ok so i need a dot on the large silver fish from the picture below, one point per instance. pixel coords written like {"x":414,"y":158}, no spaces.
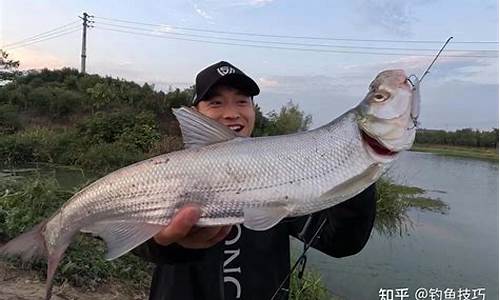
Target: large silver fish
{"x":254,"y":181}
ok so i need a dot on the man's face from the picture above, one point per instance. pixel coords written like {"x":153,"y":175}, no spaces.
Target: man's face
{"x":230,"y":107}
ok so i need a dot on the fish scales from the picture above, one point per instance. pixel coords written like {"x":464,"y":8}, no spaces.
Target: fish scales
{"x":223,"y":188}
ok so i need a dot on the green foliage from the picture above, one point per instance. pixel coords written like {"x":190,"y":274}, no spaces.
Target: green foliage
{"x":290,"y":119}
{"x":105,"y":128}
{"x":23,"y":204}
{"x":63,"y":93}
{"x":310,"y":287}
{"x":393,"y":202}
{"x":462,"y":137}
{"x":8,"y":67}
{"x":9,"y":119}
{"x":261,"y":123}
{"x":490,"y":154}
{"x":138,"y":130}
{"x":106,"y":157}
{"x":38,"y":144}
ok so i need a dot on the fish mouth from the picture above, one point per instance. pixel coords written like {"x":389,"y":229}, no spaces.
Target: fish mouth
{"x":376,"y":146}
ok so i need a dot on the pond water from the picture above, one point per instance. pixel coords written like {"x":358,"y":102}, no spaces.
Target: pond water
{"x":456,"y":250}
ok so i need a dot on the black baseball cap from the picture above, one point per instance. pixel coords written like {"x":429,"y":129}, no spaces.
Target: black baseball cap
{"x":223,"y":73}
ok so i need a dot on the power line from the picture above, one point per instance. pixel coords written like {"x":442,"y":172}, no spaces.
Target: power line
{"x":43,"y":39}
{"x":291,"y":43}
{"x":41,"y":35}
{"x":285,"y":48}
{"x":292,"y":36}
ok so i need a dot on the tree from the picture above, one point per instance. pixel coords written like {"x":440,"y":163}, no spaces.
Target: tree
{"x":289,"y":120}
{"x":261,"y":122}
{"x":8,"y":67}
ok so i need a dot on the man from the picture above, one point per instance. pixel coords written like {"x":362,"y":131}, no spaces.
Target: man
{"x":235,"y":262}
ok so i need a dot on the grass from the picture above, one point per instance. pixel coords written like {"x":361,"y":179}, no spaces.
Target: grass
{"x":394,"y":201}
{"x":310,"y":287}
{"x":24,"y":203}
{"x":490,"y":154}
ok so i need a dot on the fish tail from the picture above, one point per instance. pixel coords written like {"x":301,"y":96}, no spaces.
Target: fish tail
{"x":30,"y":245}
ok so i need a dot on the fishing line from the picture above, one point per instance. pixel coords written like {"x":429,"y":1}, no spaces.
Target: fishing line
{"x":302,"y":260}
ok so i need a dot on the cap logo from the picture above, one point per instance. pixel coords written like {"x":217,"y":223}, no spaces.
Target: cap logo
{"x":224,"y":70}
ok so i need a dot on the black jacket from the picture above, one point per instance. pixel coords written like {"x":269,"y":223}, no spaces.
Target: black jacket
{"x":251,"y":264}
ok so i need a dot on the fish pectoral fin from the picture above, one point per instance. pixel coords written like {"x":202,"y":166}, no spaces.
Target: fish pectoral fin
{"x":353,"y":186}
{"x":122,"y":236}
{"x":263,"y":218}
{"x":199,"y":130}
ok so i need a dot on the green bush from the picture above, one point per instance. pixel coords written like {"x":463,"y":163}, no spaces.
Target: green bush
{"x":137,"y":130}
{"x":20,"y":147}
{"x":9,"y":119}
{"x":106,"y":157}
{"x":104,"y":128}
{"x":41,"y":145}
{"x":23,"y":204}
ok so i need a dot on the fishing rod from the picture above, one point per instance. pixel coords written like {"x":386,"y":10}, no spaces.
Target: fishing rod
{"x":415,"y":83}
{"x":302,"y":260}
{"x":427,"y":71}
{"x":434,"y":60}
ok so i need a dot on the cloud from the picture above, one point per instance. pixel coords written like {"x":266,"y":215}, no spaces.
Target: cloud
{"x":202,"y":12}
{"x":473,"y":69}
{"x":267,"y":83}
{"x":36,"y":59}
{"x":254,"y":3}
{"x":393,"y":16}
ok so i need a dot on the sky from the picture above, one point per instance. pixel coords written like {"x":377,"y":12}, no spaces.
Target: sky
{"x":460,"y":91}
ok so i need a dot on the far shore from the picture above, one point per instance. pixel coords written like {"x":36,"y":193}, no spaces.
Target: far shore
{"x":490,"y":154}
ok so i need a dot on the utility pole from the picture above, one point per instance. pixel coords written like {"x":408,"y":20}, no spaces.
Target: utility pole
{"x":85,"y":24}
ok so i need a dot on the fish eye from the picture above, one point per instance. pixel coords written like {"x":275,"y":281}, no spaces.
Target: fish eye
{"x":380,"y":96}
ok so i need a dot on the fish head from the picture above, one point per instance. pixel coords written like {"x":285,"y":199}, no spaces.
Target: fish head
{"x":388,"y":114}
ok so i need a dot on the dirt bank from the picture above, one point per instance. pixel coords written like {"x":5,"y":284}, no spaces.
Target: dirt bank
{"x":18,"y":284}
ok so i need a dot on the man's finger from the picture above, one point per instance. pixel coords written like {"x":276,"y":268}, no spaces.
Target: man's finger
{"x":203,"y":235}
{"x":205,"y":238}
{"x":179,"y":227}
{"x":221,"y":235}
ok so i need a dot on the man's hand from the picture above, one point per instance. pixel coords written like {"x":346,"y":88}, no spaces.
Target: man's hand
{"x":182,"y":231}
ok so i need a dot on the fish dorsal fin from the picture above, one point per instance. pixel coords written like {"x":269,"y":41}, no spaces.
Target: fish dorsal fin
{"x":199,"y":130}
{"x":121,"y":236}
{"x":263,"y":218}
